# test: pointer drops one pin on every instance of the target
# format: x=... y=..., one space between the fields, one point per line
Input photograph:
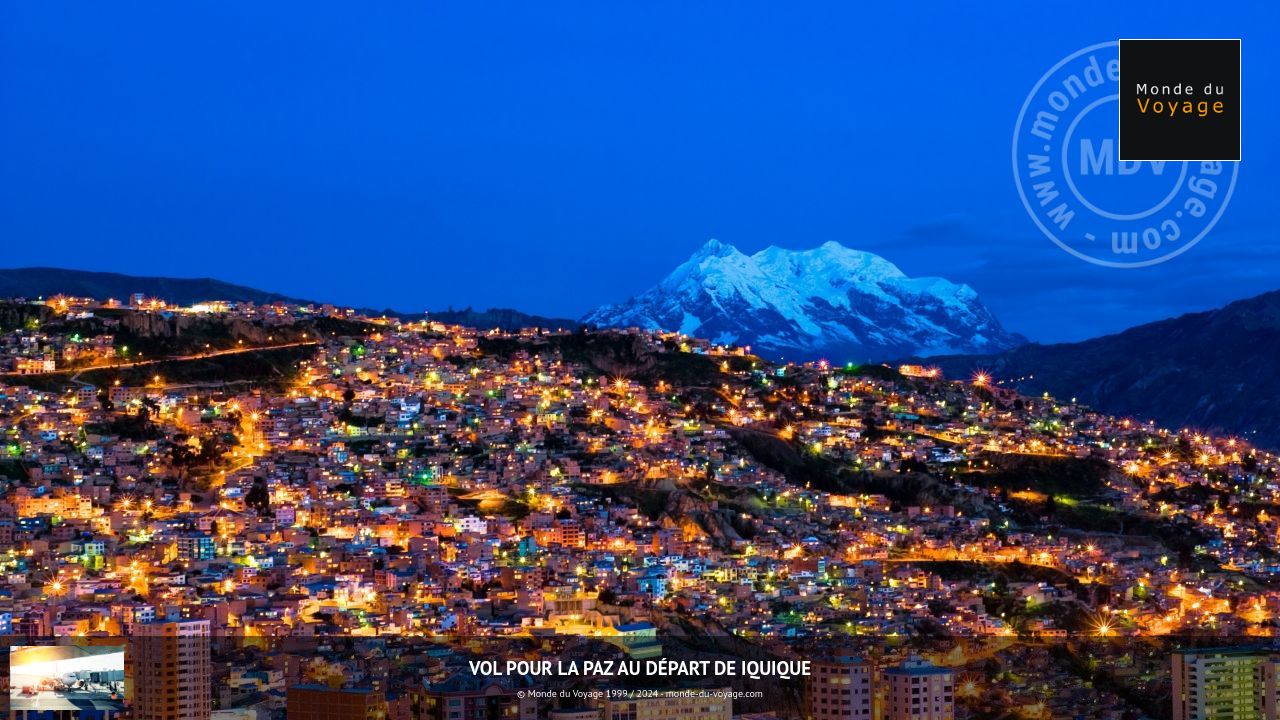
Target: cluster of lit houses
x=408 y=483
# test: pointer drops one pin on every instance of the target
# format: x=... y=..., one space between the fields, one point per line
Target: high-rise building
x=839 y=689
x=167 y=670
x=465 y=697
x=713 y=704
x=320 y=702
x=1269 y=688
x=1223 y=684
x=576 y=713
x=919 y=690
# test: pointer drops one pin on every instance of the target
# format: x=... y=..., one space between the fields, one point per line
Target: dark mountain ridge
x=38 y=282
x=1216 y=371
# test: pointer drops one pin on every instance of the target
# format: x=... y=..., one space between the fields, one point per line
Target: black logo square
x=1179 y=100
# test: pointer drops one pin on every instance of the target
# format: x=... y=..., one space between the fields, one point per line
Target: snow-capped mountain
x=829 y=302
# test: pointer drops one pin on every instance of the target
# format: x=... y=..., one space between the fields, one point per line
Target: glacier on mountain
x=828 y=302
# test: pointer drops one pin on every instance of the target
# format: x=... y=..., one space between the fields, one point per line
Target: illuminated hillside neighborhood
x=279 y=472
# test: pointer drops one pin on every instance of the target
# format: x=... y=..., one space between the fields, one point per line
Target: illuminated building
x=670 y=705
x=193 y=546
x=839 y=689
x=1269 y=688
x=167 y=670
x=319 y=702
x=919 y=371
x=920 y=690
x=471 y=698
x=575 y=714
x=1219 y=684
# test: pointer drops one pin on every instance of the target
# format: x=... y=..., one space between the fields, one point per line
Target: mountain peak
x=828 y=301
x=714 y=248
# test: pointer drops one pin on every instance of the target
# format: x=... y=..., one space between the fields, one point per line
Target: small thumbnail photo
x=66 y=682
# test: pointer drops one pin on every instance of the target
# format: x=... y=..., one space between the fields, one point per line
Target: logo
x=1180 y=100
x=1070 y=178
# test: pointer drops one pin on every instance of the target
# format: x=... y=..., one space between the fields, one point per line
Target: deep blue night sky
x=555 y=156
